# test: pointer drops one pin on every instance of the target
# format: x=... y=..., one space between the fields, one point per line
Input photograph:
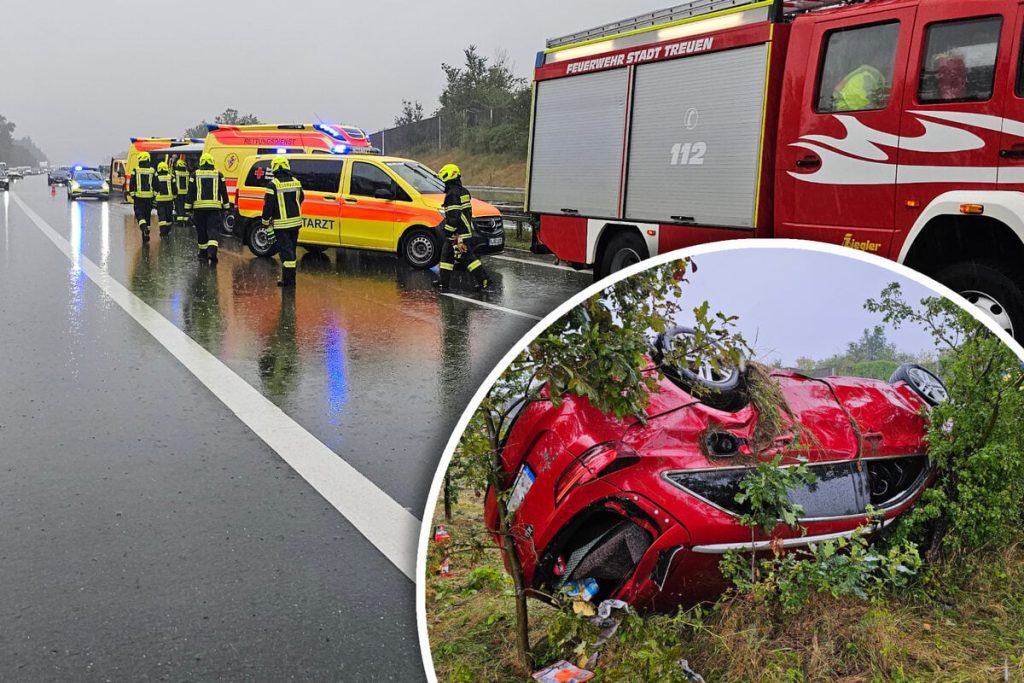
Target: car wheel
x=623 y=250
x=229 y=221
x=992 y=286
x=259 y=242
x=924 y=383
x=720 y=387
x=419 y=249
x=314 y=248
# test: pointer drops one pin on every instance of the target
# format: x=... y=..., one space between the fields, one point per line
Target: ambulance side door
x=321 y=208
x=368 y=218
x=839 y=130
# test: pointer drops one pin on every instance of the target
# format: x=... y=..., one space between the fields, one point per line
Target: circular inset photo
x=756 y=462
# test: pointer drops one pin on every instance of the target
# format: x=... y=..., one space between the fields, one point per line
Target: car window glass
x=90 y=175
x=368 y=178
x=318 y=175
x=258 y=175
x=960 y=61
x=418 y=175
x=857 y=68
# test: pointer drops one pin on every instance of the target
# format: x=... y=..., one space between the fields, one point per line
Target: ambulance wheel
x=991 y=285
x=624 y=249
x=229 y=220
x=259 y=242
x=419 y=249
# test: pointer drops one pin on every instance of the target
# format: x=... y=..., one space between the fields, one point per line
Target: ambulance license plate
x=523 y=483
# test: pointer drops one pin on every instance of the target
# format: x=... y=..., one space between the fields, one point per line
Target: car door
x=839 y=140
x=368 y=216
x=321 y=208
x=953 y=104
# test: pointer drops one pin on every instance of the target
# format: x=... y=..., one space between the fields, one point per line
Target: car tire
x=314 y=248
x=258 y=242
x=995 y=286
x=229 y=221
x=420 y=249
x=623 y=250
x=924 y=383
x=722 y=388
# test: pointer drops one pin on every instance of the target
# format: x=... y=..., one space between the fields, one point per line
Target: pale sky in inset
x=80 y=78
x=793 y=303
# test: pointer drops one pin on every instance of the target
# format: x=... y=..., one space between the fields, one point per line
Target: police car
x=87 y=182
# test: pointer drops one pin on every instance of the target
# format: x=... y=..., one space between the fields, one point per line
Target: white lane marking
x=378 y=517
x=533 y=262
x=490 y=305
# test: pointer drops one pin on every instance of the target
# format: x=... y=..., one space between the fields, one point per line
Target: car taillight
x=599 y=460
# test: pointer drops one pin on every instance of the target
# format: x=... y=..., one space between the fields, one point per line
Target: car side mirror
x=384 y=193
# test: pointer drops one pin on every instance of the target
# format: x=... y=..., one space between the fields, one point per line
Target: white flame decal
x=859 y=158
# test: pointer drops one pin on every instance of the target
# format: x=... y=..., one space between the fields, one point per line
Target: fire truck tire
x=992 y=285
x=419 y=248
x=623 y=250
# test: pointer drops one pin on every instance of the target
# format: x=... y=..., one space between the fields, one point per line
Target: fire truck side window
x=960 y=61
x=856 y=71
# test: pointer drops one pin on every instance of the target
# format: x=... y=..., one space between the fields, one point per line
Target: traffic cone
x=53 y=190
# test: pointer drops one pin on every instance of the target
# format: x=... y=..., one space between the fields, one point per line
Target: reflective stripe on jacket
x=283 y=201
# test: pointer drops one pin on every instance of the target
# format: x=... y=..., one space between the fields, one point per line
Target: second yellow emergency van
x=358 y=201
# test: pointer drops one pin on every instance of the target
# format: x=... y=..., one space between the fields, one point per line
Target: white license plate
x=523 y=483
x=497 y=241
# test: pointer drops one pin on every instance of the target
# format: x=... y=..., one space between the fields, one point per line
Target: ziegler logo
x=867 y=245
x=318 y=223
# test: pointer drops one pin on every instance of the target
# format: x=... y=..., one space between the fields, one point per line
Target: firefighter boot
x=287 y=278
x=145 y=234
x=203 y=255
x=445 y=283
x=211 y=253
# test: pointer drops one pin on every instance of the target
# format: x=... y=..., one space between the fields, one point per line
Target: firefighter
x=282 y=215
x=140 y=189
x=163 y=186
x=458 y=227
x=181 y=176
x=863 y=88
x=207 y=197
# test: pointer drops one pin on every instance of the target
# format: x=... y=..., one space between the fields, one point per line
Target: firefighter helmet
x=279 y=162
x=180 y=163
x=143 y=157
x=162 y=166
x=449 y=172
x=206 y=159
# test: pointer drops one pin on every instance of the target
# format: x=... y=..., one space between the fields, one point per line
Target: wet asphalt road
x=145 y=532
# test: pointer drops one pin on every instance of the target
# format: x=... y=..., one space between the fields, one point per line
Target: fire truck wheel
x=419 y=248
x=991 y=285
x=623 y=250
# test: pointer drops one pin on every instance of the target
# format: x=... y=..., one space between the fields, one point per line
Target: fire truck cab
x=895 y=127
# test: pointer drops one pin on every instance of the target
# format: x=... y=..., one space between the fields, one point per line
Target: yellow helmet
x=206 y=159
x=143 y=156
x=180 y=162
x=449 y=172
x=277 y=163
x=162 y=166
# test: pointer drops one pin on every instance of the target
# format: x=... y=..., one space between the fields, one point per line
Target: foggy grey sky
x=793 y=303
x=80 y=78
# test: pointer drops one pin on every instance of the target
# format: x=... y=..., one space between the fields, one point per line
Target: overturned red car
x=648 y=510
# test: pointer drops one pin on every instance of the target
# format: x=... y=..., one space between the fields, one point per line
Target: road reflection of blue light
x=7 y=218
x=179 y=315
x=104 y=233
x=76 y=275
x=337 y=371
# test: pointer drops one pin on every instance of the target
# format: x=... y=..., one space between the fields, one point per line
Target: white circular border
x=715 y=247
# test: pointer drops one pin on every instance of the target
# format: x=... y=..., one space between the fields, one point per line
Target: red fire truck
x=891 y=126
